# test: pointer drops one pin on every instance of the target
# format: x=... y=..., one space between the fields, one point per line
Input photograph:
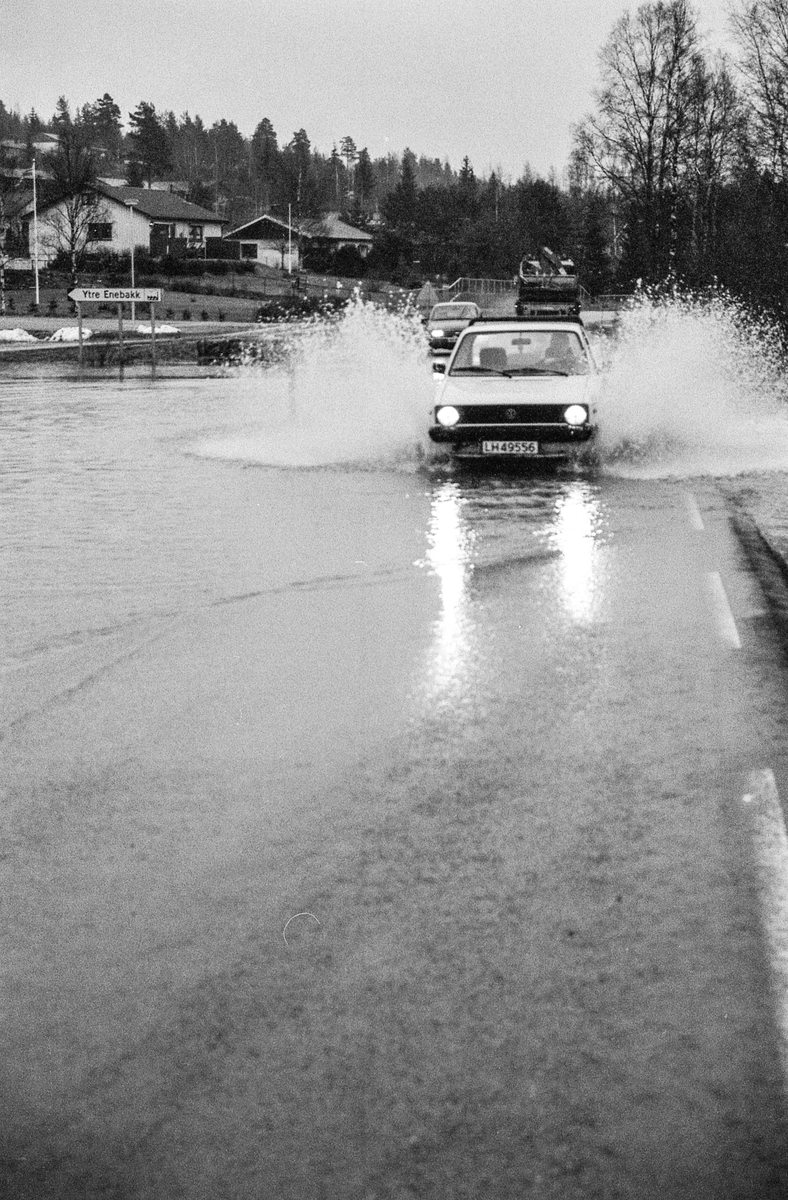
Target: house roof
x=157 y=205
x=160 y=205
x=328 y=227
x=255 y=229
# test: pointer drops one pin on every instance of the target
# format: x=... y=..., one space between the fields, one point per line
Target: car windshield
x=521 y=352
x=453 y=312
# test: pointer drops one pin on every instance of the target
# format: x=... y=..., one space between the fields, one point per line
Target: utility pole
x=35 y=230
x=130 y=204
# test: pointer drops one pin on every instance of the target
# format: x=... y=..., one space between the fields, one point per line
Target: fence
x=489 y=293
x=477 y=287
x=609 y=303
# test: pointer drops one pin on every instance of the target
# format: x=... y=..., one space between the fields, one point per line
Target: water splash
x=695 y=385
x=356 y=389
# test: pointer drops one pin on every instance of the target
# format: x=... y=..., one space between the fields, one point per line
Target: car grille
x=512 y=414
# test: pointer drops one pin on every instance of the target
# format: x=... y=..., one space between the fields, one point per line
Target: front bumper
x=443 y=345
x=459 y=435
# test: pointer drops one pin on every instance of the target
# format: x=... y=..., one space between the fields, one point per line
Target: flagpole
x=35 y=229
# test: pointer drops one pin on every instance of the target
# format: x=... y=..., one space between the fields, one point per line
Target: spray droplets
x=695 y=386
x=355 y=389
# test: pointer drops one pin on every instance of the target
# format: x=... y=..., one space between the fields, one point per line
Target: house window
x=248 y=249
x=100 y=231
x=195 y=233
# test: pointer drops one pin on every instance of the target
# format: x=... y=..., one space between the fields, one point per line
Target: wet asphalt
x=432 y=877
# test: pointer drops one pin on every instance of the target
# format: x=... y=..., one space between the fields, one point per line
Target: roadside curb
x=770 y=566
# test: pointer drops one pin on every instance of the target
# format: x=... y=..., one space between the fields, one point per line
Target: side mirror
x=439 y=368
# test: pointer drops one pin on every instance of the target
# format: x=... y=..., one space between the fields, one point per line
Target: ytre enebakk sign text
x=115 y=295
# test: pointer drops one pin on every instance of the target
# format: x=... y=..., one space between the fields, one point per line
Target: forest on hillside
x=679 y=172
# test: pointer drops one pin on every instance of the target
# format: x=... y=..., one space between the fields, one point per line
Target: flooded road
x=372 y=830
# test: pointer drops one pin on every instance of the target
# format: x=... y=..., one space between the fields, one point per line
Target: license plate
x=510 y=447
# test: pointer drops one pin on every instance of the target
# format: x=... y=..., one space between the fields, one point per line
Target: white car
x=517 y=387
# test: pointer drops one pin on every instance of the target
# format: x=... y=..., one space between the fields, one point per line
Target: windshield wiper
x=480 y=370
x=537 y=371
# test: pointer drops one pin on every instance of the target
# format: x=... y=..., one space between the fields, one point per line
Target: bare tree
x=715 y=131
x=73 y=203
x=761 y=30
x=6 y=193
x=635 y=139
x=67 y=227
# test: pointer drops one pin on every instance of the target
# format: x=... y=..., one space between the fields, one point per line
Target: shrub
x=290 y=308
x=203 y=315
x=187 y=315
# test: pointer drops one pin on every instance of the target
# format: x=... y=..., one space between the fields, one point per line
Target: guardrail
x=500 y=287
x=607 y=303
x=496 y=287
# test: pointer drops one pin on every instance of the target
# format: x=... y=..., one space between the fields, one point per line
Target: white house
x=273 y=241
x=125 y=218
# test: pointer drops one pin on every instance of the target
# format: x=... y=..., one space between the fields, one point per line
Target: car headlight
x=447 y=415
x=575 y=415
x=436 y=333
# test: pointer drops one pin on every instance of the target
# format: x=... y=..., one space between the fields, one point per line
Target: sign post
x=118 y=296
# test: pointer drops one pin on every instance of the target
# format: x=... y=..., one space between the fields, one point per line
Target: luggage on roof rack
x=548 y=286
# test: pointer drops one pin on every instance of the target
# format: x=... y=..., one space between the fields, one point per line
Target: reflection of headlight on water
x=449 y=556
x=577 y=518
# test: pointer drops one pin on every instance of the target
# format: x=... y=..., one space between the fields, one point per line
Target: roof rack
x=510 y=320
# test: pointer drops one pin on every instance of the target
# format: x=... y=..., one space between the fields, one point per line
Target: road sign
x=115 y=295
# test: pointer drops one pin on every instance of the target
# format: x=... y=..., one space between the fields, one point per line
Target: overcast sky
x=502 y=81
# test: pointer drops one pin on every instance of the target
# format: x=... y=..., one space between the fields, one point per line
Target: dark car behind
x=447 y=321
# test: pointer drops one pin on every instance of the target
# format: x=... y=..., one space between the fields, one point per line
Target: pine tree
x=150 y=147
x=265 y=163
x=365 y=185
x=401 y=203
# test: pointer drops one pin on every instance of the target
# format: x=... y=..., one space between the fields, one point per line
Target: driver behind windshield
x=564 y=353
x=527 y=352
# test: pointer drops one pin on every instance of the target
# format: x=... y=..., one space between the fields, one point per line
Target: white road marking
x=770 y=843
x=726 y=626
x=696 y=520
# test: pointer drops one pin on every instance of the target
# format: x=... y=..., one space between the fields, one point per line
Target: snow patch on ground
x=159 y=329
x=16 y=335
x=69 y=333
